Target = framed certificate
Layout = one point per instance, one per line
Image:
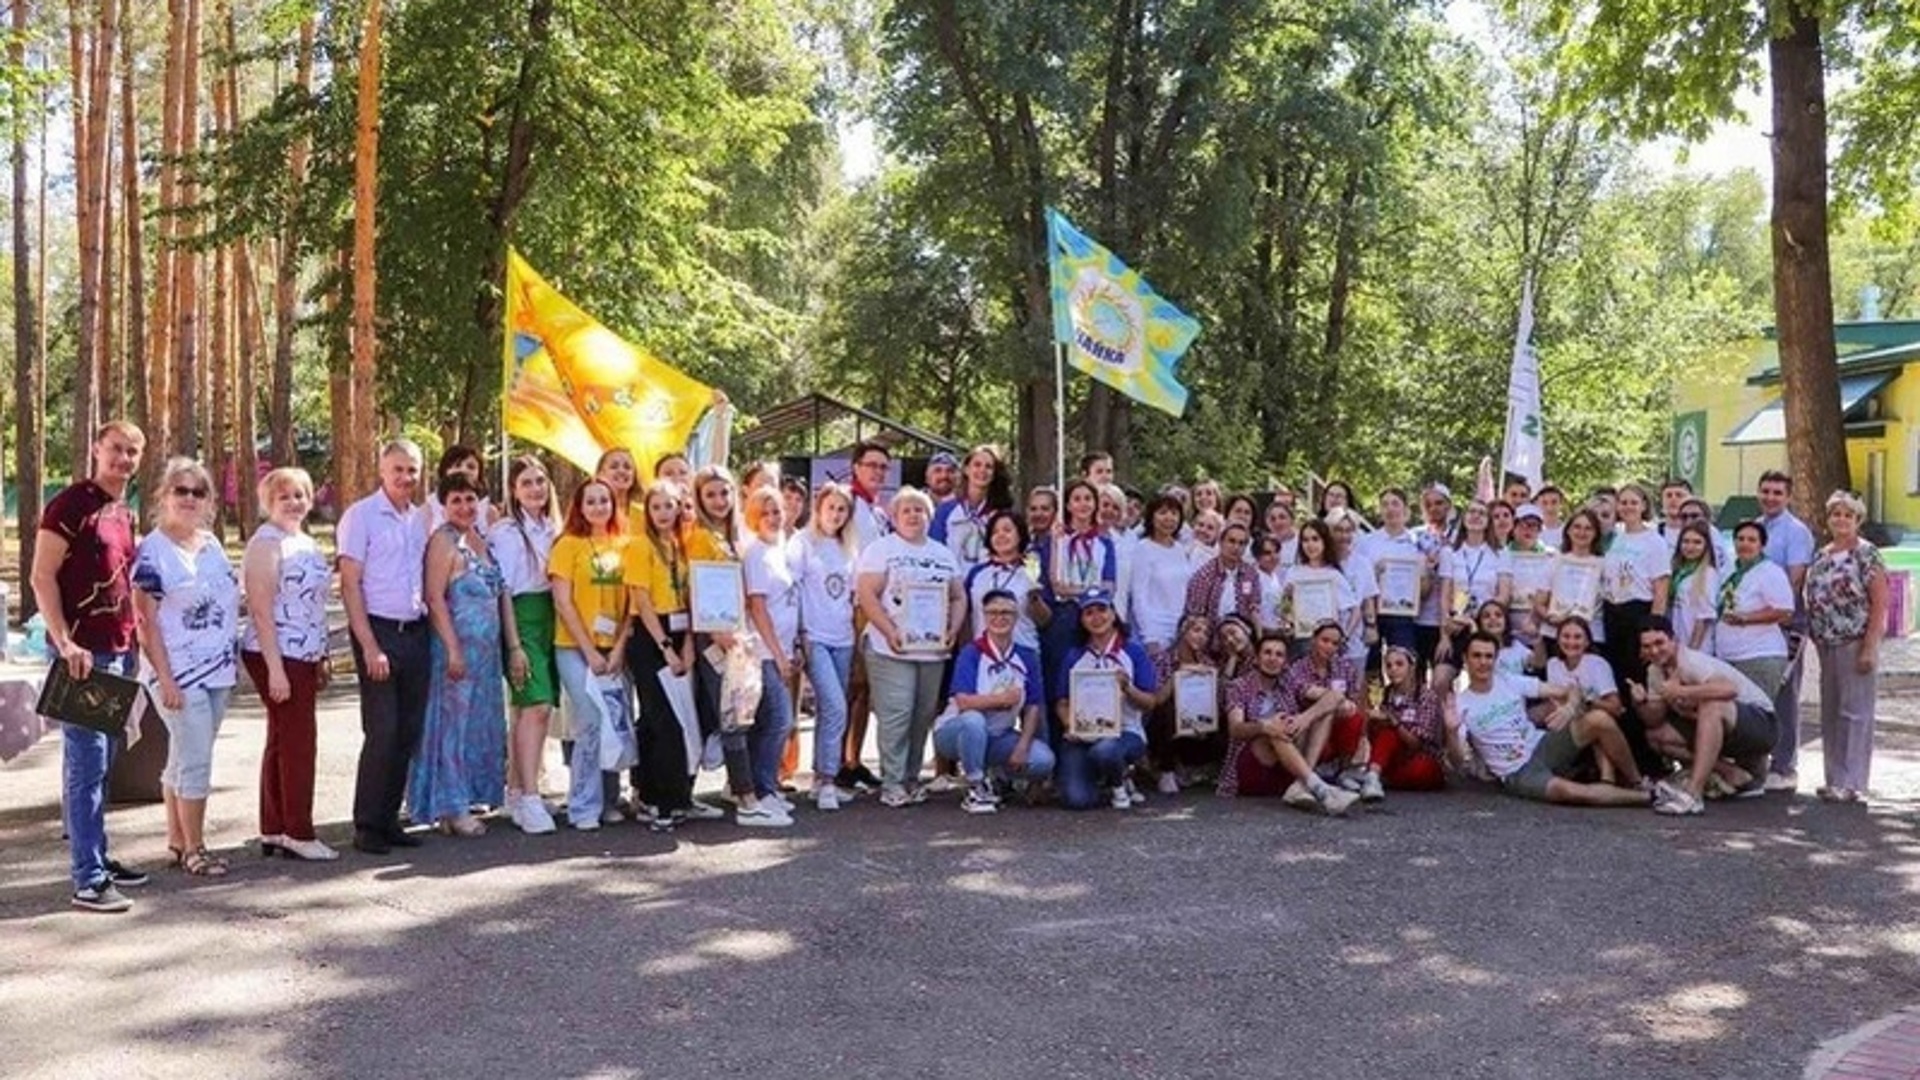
(1400, 585)
(1196, 702)
(719, 597)
(1532, 573)
(1093, 705)
(1576, 587)
(921, 617)
(1314, 602)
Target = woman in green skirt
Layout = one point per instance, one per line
(521, 540)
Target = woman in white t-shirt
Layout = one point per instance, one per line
(905, 658)
(187, 600)
(821, 556)
(1315, 581)
(522, 543)
(773, 611)
(1003, 568)
(1754, 600)
(1480, 574)
(1634, 581)
(1579, 667)
(1363, 631)
(1695, 586)
(1157, 588)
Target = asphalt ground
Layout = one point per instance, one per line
(1461, 934)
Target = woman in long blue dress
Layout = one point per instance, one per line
(462, 758)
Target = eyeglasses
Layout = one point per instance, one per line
(181, 491)
(870, 464)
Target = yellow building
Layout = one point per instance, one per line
(1729, 424)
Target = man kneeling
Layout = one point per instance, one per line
(994, 714)
(1700, 710)
(1530, 761)
(1272, 738)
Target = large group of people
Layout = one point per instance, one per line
(1092, 645)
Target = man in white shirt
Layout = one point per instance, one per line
(382, 555)
(1530, 762)
(1698, 709)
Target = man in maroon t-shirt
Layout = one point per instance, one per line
(82, 581)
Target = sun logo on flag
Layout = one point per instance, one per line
(1108, 321)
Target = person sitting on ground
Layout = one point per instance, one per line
(1531, 762)
(993, 718)
(1327, 670)
(1406, 736)
(1699, 709)
(1273, 741)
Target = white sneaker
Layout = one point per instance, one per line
(1121, 801)
(779, 802)
(1370, 788)
(1169, 783)
(701, 811)
(586, 825)
(1335, 802)
(943, 784)
(894, 796)
(612, 816)
(1134, 794)
(826, 797)
(1353, 778)
(532, 816)
(765, 815)
(1299, 796)
(1787, 782)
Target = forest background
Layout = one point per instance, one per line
(275, 229)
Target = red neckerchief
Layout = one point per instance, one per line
(996, 660)
(871, 498)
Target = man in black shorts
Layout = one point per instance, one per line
(1698, 709)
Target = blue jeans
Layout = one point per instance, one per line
(964, 738)
(1087, 767)
(84, 759)
(829, 668)
(190, 736)
(771, 723)
(586, 791)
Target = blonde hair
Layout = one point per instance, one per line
(278, 480)
(755, 508)
(832, 490)
(914, 495)
(1853, 503)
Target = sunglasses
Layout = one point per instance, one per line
(182, 492)
(1002, 613)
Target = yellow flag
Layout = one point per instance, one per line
(579, 389)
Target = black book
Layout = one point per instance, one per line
(102, 701)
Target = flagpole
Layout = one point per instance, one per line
(1060, 420)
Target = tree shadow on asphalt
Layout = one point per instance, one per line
(1464, 935)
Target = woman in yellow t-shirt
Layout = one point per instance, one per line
(715, 537)
(659, 642)
(590, 603)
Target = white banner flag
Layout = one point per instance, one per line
(1524, 453)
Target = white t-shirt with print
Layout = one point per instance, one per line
(824, 569)
(1496, 722)
(1766, 585)
(1693, 667)
(1634, 560)
(1594, 676)
(902, 564)
(770, 576)
(199, 607)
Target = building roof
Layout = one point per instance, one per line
(1879, 345)
(818, 412)
(1769, 425)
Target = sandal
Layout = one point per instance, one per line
(179, 855)
(203, 863)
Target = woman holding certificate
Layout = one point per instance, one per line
(1316, 590)
(1479, 573)
(719, 618)
(822, 558)
(590, 605)
(1529, 570)
(1184, 733)
(1100, 695)
(909, 588)
(1573, 586)
(1363, 626)
(660, 647)
(1409, 567)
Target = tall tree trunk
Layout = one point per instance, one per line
(287, 270)
(134, 308)
(27, 385)
(163, 405)
(348, 432)
(186, 273)
(1802, 273)
(111, 366)
(366, 168)
(246, 328)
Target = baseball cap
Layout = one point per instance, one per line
(942, 457)
(1095, 598)
(1528, 510)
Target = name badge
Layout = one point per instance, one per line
(677, 622)
(604, 626)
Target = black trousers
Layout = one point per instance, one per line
(392, 714)
(664, 777)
